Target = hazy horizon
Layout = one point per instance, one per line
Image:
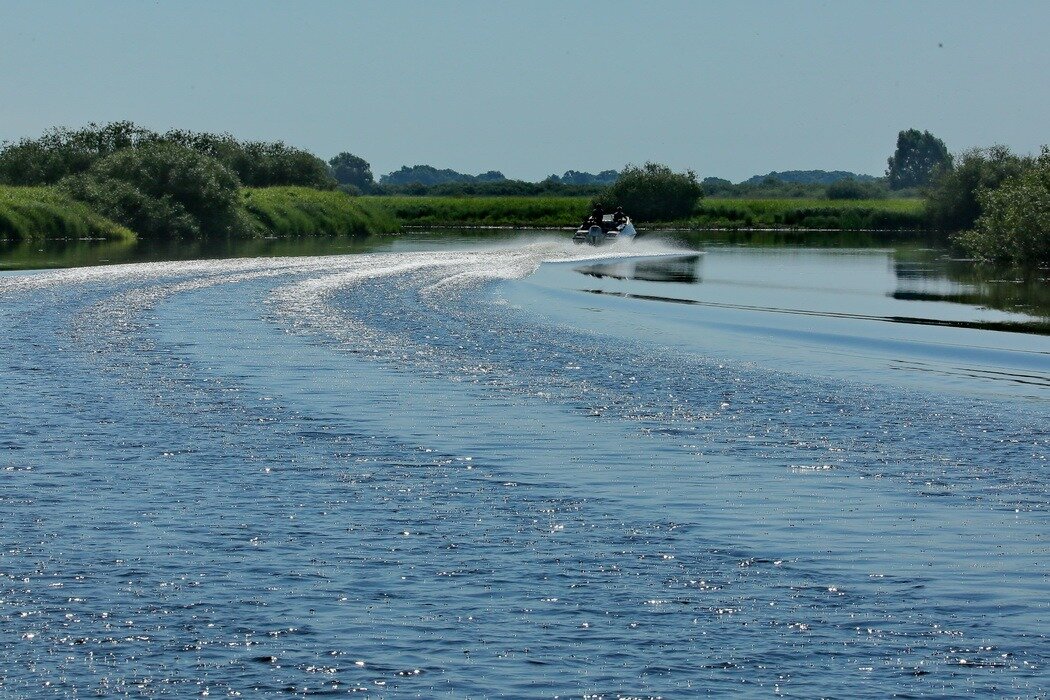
(538, 89)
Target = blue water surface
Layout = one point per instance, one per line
(519, 470)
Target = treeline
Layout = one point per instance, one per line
(849, 186)
(498, 188)
(354, 176)
(62, 152)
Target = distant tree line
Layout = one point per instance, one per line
(809, 177)
(500, 188)
(354, 175)
(576, 177)
(848, 186)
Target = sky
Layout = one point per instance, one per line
(531, 88)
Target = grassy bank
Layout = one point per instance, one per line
(302, 211)
(483, 211)
(846, 215)
(40, 213)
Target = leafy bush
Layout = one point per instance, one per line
(161, 189)
(953, 199)
(61, 152)
(1015, 224)
(654, 193)
(257, 163)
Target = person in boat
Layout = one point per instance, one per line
(618, 216)
(597, 214)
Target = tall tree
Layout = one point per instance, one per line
(349, 169)
(917, 158)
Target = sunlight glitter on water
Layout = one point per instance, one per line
(210, 470)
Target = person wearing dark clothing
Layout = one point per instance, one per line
(619, 217)
(598, 214)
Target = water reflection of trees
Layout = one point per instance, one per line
(800, 238)
(931, 274)
(922, 264)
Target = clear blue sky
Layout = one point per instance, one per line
(532, 88)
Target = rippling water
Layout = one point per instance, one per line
(467, 473)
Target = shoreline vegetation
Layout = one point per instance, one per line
(709, 214)
(120, 181)
(44, 213)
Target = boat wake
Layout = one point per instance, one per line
(387, 472)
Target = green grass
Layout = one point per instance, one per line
(850, 215)
(909, 206)
(41, 213)
(483, 211)
(841, 214)
(301, 211)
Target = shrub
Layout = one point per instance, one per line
(953, 199)
(61, 152)
(654, 193)
(257, 163)
(161, 189)
(1015, 224)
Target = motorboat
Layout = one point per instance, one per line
(594, 233)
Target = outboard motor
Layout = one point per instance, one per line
(595, 235)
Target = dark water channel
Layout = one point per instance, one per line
(446, 466)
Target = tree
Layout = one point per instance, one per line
(917, 157)
(654, 192)
(1015, 222)
(352, 170)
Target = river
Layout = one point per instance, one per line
(448, 467)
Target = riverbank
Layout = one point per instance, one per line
(710, 214)
(43, 213)
(37, 214)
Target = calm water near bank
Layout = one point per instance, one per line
(459, 466)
